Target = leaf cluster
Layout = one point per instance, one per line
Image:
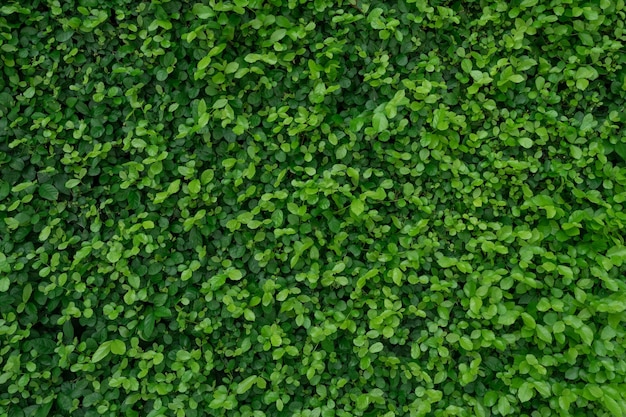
(312, 208)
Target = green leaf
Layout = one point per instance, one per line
(376, 347)
(466, 65)
(235, 274)
(613, 406)
(504, 407)
(134, 281)
(380, 122)
(586, 334)
(69, 184)
(49, 192)
(278, 34)
(543, 333)
(194, 186)
(202, 11)
(204, 62)
(246, 384)
(529, 321)
(101, 352)
(362, 402)
(587, 123)
(43, 410)
(5, 283)
(357, 207)
(526, 142)
(148, 325)
(5, 189)
(525, 392)
(30, 92)
(220, 103)
(118, 347)
(115, 252)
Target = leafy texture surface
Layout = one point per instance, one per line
(312, 208)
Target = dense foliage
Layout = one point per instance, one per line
(312, 208)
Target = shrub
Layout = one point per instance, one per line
(312, 208)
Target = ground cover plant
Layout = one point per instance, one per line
(312, 208)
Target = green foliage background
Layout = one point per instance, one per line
(312, 208)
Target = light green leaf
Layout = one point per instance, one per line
(357, 207)
(202, 11)
(220, 103)
(204, 62)
(376, 347)
(587, 123)
(45, 233)
(586, 334)
(5, 283)
(504, 407)
(173, 187)
(613, 406)
(194, 186)
(466, 343)
(544, 334)
(246, 384)
(380, 122)
(134, 281)
(115, 252)
(466, 65)
(278, 34)
(526, 142)
(235, 274)
(118, 347)
(101, 352)
(525, 392)
(69, 184)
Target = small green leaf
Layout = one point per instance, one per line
(220, 103)
(202, 11)
(249, 315)
(526, 142)
(362, 402)
(4, 284)
(30, 92)
(235, 274)
(204, 62)
(194, 186)
(246, 384)
(613, 406)
(525, 392)
(466, 65)
(45, 233)
(544, 334)
(101, 352)
(357, 207)
(148, 325)
(466, 343)
(504, 407)
(118, 347)
(587, 123)
(43, 410)
(134, 281)
(586, 334)
(278, 34)
(380, 122)
(69, 184)
(49, 192)
(376, 347)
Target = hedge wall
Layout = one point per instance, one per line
(312, 208)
